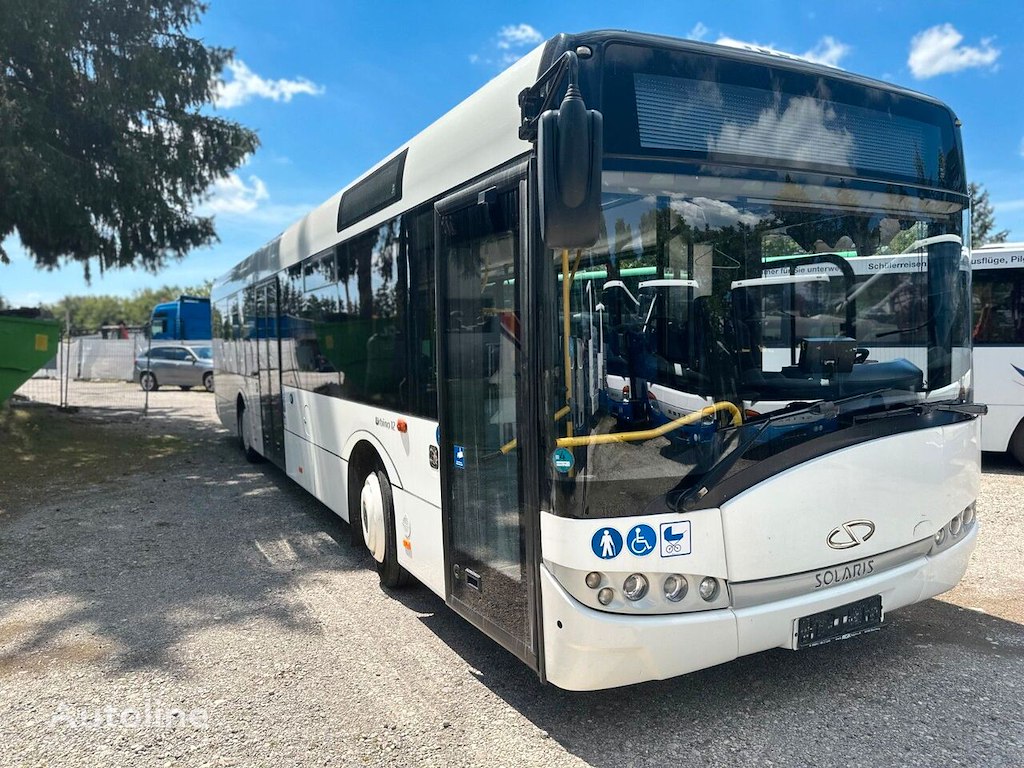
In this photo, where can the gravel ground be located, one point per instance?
(145, 567)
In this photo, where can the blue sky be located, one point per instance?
(332, 87)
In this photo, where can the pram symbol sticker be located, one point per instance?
(675, 538)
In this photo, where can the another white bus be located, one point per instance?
(455, 352)
(998, 298)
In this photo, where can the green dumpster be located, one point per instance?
(26, 345)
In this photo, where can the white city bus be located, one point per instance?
(444, 352)
(998, 299)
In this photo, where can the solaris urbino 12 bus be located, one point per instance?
(466, 352)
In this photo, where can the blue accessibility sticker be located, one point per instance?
(563, 460)
(641, 540)
(606, 543)
(460, 456)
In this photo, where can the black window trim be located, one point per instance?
(394, 169)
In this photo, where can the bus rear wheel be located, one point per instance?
(377, 519)
(245, 439)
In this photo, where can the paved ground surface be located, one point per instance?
(145, 567)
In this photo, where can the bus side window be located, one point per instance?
(998, 299)
(419, 239)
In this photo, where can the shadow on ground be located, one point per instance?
(122, 578)
(124, 537)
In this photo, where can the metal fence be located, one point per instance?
(90, 371)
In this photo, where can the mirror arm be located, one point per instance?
(533, 101)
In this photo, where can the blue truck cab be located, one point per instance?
(187, 317)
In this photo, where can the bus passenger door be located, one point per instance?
(489, 577)
(268, 352)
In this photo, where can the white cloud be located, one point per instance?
(937, 51)
(233, 196)
(805, 131)
(246, 85)
(234, 200)
(699, 31)
(1008, 205)
(511, 43)
(827, 50)
(518, 36)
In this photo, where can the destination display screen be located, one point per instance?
(704, 106)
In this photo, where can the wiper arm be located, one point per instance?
(922, 409)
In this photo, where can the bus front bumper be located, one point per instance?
(585, 649)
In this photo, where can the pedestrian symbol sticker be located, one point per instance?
(563, 460)
(460, 456)
(607, 543)
(641, 540)
(675, 538)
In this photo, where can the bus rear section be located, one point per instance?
(998, 331)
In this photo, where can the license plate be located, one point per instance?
(839, 623)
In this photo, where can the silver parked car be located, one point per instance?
(183, 366)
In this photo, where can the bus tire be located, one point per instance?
(377, 519)
(1017, 443)
(245, 440)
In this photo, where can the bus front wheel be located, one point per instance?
(377, 518)
(1017, 443)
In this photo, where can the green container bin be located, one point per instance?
(26, 345)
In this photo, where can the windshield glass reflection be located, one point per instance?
(703, 334)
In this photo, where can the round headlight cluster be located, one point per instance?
(675, 587)
(635, 586)
(708, 588)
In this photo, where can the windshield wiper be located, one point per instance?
(922, 409)
(680, 497)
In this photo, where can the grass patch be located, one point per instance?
(43, 450)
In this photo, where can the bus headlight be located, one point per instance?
(956, 524)
(593, 579)
(675, 587)
(940, 536)
(605, 596)
(635, 586)
(708, 588)
(968, 515)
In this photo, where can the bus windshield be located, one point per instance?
(702, 329)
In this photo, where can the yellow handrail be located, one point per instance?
(647, 434)
(559, 415)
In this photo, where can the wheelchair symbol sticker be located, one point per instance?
(675, 538)
(641, 540)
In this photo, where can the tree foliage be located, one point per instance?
(103, 147)
(88, 313)
(983, 219)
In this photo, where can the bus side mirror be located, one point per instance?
(569, 151)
